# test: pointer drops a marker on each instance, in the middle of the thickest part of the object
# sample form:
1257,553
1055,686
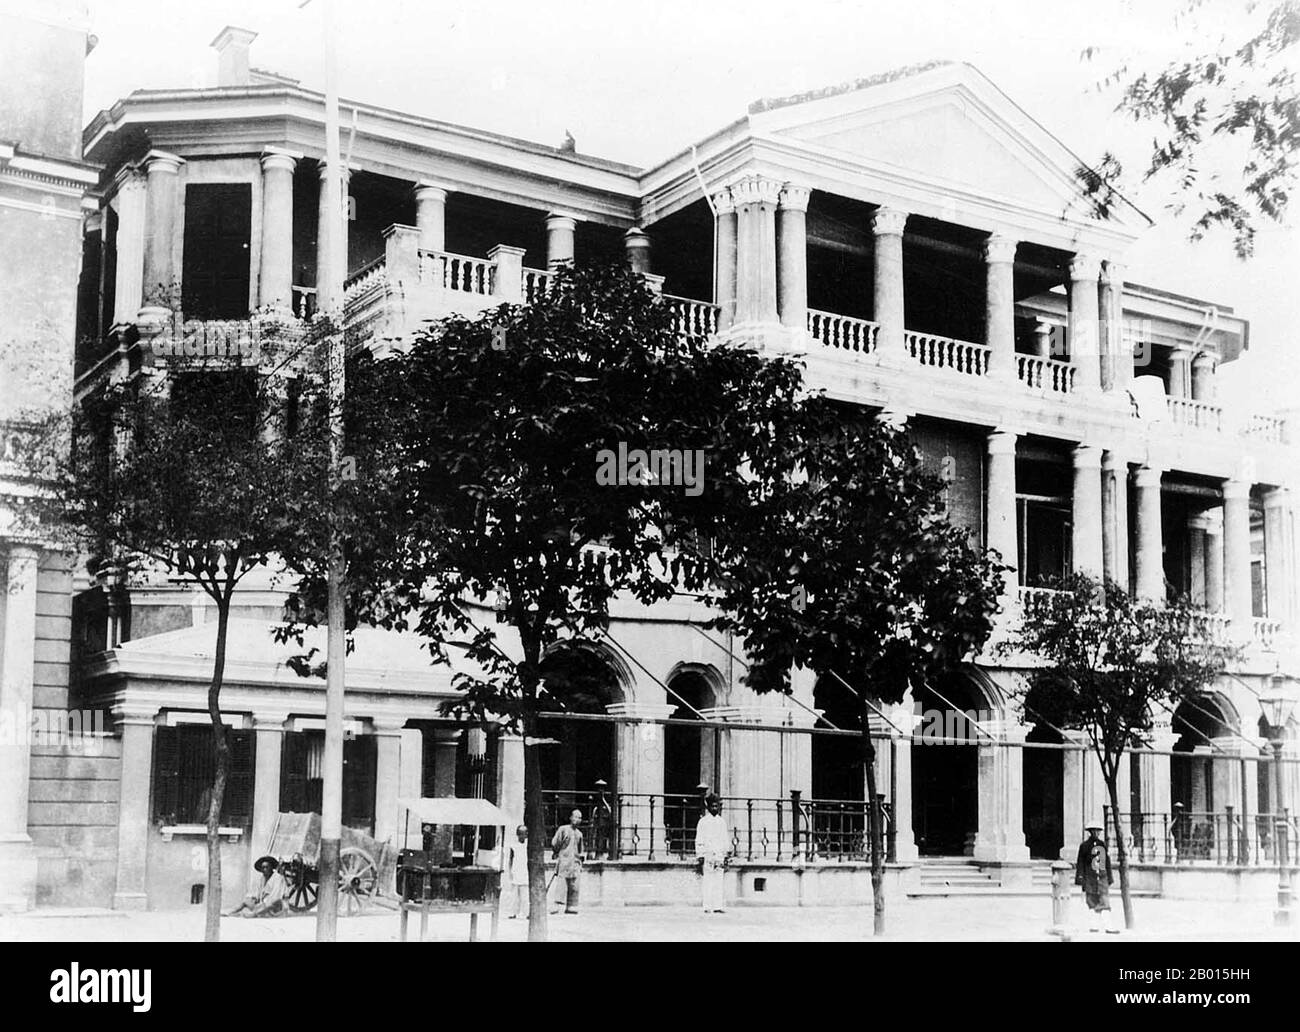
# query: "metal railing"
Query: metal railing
961,356
629,826
843,331
1223,838
1049,375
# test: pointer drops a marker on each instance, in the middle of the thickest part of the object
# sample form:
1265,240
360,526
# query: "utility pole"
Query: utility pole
329,283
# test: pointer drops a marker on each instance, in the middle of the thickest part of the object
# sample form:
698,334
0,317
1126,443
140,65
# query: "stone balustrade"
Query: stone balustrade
1196,415
1048,375
959,356
843,332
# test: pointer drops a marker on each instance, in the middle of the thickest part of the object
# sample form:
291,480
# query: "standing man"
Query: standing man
1092,872
517,870
566,850
712,847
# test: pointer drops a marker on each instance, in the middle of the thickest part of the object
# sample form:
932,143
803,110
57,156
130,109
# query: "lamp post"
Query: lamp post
1278,704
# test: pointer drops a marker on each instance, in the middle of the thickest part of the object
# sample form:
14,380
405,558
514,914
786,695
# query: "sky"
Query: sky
637,82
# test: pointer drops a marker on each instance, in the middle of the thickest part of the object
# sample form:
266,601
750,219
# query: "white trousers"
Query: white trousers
712,891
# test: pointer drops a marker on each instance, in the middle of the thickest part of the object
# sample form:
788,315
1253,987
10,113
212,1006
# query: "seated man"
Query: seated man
268,900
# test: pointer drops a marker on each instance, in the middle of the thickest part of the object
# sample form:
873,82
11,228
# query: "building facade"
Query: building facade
929,251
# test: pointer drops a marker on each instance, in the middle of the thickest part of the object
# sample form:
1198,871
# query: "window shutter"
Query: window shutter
237,810
293,773
166,773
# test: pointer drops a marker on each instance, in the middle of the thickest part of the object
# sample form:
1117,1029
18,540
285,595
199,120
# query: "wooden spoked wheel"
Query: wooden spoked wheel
358,881
300,882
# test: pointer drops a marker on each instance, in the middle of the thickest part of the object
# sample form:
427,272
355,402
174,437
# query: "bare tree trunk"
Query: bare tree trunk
221,748
873,825
1121,852
534,817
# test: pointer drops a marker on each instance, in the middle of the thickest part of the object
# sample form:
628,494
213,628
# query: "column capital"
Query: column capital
1200,521
1114,462
390,724
724,203
642,710
1112,274
1002,441
561,221
1087,456
1277,498
274,160
1148,476
755,189
322,168
636,237
128,179
1181,353
1205,358
270,720
794,197
1084,267
425,190
1236,490
888,222
163,161
1000,248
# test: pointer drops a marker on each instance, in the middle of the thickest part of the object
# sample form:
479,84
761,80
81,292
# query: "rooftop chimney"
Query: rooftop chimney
231,46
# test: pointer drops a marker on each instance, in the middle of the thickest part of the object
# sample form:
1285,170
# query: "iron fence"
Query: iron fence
1223,838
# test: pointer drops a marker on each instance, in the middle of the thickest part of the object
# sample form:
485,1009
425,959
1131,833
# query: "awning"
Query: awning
454,810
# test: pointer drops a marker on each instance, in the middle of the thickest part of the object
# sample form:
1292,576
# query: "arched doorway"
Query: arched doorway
1044,794
1192,790
945,767
689,759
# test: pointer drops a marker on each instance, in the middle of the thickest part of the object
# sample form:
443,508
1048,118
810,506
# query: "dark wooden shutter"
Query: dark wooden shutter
293,773
237,810
218,231
165,775
359,769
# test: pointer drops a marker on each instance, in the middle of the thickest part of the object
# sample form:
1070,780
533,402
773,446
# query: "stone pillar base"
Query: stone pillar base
17,874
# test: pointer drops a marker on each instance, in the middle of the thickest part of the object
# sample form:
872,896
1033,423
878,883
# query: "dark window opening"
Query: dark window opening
302,772
184,765
215,274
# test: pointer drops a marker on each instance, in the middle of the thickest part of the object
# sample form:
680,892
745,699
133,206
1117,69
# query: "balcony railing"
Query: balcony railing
960,356
457,272
1266,632
1198,415
304,301
843,331
691,317
1225,838
366,278
1049,375
1266,428
535,284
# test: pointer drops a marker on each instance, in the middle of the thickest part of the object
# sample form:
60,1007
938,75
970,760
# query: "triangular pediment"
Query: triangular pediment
947,126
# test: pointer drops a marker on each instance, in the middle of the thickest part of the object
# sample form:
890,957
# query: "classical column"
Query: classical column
1000,517
128,293
1083,342
1279,554
1043,339
275,285
1214,600
1236,552
1150,573
1117,359
1180,363
1196,527
1156,785
899,783
1086,536
1000,766
640,744
1229,787
510,777
1073,800
1202,767
887,282
724,272
636,242
160,282
1000,305
756,198
268,730
133,810
388,772
792,256
560,233
329,256
1114,506
431,216
1204,377
17,667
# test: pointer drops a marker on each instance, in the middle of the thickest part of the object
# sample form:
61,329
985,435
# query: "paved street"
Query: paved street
993,919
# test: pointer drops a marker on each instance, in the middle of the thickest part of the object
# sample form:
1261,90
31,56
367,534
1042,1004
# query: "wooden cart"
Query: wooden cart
451,872
295,843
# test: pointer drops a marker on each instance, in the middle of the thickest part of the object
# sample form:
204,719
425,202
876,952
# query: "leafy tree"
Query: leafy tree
846,565
1110,662
1230,106
196,477
497,461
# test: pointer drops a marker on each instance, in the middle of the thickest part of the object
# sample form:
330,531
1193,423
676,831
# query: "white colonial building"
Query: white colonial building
931,252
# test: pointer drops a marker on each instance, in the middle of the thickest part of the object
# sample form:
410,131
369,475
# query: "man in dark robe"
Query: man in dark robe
1092,872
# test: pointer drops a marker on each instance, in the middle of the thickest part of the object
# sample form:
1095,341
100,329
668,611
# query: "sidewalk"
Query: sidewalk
993,920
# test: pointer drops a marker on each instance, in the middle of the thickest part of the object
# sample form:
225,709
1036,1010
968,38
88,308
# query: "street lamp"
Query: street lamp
1278,705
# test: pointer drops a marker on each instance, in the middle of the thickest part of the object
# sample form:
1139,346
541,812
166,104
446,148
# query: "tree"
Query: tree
1109,662
1226,118
193,477
543,459
846,565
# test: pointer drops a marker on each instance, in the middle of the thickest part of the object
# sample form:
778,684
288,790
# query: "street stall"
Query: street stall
457,867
